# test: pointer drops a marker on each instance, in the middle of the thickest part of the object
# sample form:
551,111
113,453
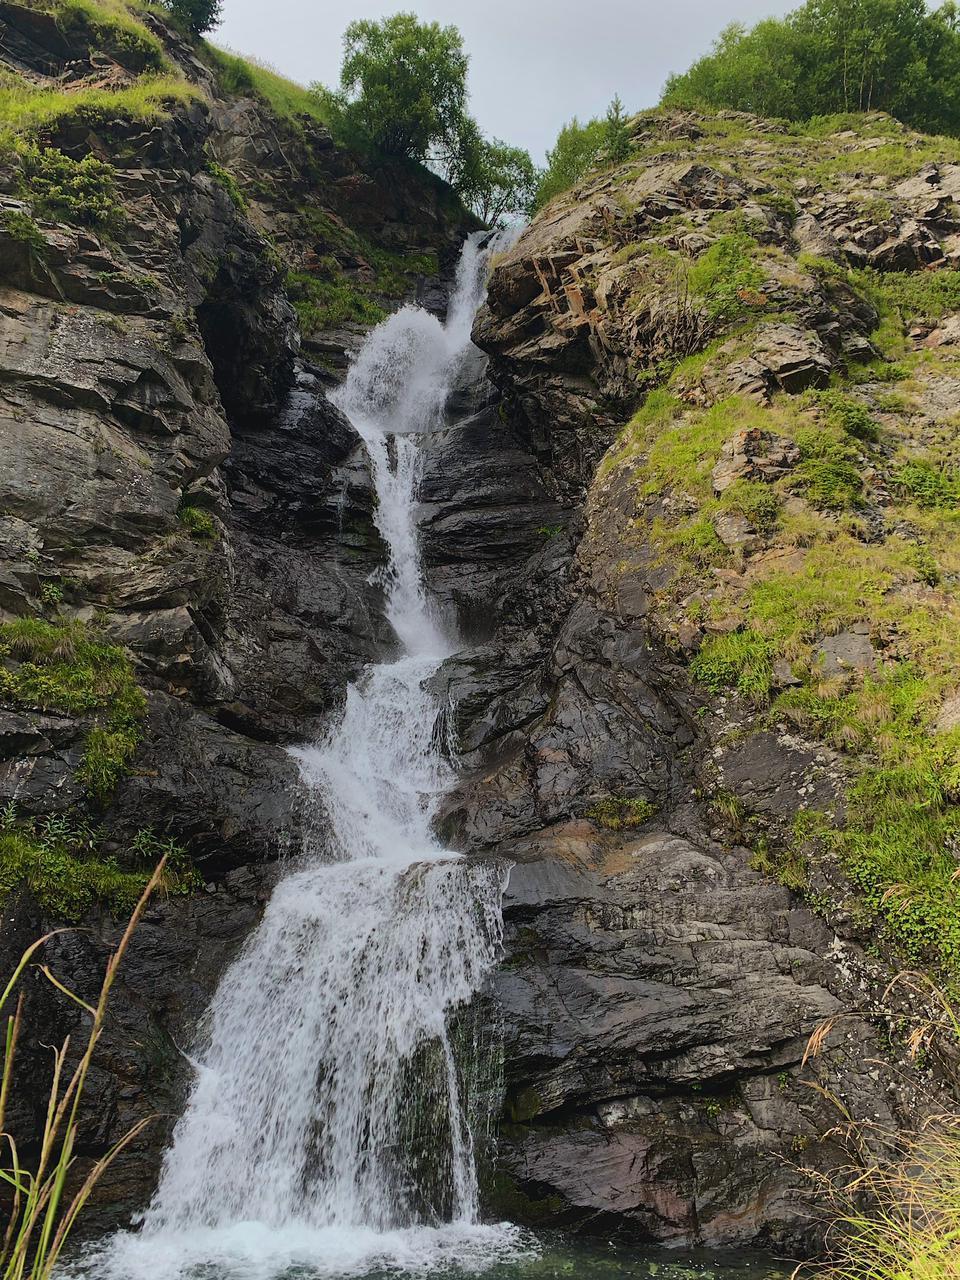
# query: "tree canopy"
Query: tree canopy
403,93
197,16
833,56
582,147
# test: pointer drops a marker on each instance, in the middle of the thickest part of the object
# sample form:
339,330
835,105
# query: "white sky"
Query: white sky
533,63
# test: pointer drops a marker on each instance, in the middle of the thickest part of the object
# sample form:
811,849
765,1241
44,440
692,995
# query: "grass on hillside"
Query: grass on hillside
25,109
64,666
110,25
902,824
240,75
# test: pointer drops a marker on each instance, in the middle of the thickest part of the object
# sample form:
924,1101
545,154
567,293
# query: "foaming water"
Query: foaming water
330,1130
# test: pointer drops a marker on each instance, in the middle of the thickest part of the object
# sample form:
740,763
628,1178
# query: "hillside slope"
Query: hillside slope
731,785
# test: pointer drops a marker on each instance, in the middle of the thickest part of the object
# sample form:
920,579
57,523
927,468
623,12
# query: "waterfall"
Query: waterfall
328,1131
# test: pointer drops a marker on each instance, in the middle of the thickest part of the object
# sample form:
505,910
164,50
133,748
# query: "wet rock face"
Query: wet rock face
659,990
658,996
174,474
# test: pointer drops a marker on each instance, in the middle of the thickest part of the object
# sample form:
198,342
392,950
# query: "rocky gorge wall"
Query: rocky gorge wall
679,916
181,512
714,725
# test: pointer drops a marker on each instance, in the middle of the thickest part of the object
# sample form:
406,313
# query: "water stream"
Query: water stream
328,1130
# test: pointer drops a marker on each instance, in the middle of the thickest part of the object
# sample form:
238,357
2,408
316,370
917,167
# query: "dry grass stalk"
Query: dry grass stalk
42,1216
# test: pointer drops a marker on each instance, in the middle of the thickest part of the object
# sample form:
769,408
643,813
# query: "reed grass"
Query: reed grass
899,1218
44,1207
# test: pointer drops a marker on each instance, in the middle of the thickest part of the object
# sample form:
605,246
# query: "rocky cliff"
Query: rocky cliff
185,536
715,724
696,526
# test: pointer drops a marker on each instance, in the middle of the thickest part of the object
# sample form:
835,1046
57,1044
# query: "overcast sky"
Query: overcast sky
533,63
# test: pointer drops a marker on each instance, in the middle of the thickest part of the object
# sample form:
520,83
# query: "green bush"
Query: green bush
325,304
827,474
845,413
20,226
198,523
234,73
575,152
832,56
69,866
80,191
741,660
727,277
929,485
758,502
197,16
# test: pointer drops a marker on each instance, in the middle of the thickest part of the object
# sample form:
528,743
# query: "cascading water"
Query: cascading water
328,1131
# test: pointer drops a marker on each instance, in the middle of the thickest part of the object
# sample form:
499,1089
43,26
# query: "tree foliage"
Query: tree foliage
495,180
576,150
197,16
616,133
582,147
835,56
403,94
403,85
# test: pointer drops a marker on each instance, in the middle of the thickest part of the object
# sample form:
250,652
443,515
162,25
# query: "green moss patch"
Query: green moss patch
64,666
70,867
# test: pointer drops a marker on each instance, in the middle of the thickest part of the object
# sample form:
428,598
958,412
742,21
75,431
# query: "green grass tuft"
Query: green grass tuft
68,868
62,666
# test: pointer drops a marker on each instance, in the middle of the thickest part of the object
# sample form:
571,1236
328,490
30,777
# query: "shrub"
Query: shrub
727,277
826,474
845,413
229,184
80,191
325,304
574,153
234,73
617,813
758,502
929,485
741,660
834,56
197,16
197,522
68,866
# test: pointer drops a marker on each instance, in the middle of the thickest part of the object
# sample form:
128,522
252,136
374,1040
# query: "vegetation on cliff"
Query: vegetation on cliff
835,55
403,94
47,1187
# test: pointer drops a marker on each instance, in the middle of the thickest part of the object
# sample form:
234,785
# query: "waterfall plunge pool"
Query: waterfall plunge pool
250,1251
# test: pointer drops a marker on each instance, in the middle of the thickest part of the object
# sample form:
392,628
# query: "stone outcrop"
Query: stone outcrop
660,986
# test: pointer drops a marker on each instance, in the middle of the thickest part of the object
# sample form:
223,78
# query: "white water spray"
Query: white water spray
328,1132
